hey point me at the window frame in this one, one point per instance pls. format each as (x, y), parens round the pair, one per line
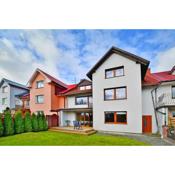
(114, 72)
(4, 87)
(36, 101)
(37, 84)
(81, 97)
(115, 117)
(173, 97)
(114, 96)
(5, 101)
(85, 87)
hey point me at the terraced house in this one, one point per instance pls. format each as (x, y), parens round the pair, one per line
(122, 95)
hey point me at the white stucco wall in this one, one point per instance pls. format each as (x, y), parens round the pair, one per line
(4, 95)
(67, 116)
(133, 103)
(148, 107)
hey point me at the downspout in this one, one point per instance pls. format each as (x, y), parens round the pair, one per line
(155, 105)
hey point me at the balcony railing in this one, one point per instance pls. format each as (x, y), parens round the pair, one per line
(165, 100)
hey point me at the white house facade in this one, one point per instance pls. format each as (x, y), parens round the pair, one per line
(8, 92)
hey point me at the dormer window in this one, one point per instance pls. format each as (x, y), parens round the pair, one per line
(88, 87)
(39, 84)
(114, 72)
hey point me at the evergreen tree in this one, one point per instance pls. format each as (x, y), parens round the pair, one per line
(40, 122)
(45, 125)
(34, 123)
(18, 123)
(27, 122)
(1, 126)
(8, 124)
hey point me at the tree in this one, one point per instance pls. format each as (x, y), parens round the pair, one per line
(34, 123)
(27, 122)
(40, 122)
(18, 123)
(1, 126)
(8, 124)
(45, 126)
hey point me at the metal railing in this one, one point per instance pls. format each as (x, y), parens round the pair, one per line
(165, 100)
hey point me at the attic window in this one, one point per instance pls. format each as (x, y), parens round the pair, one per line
(85, 87)
(40, 84)
(4, 89)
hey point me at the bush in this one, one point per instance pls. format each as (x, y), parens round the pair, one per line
(18, 123)
(45, 126)
(8, 124)
(34, 123)
(27, 122)
(40, 122)
(1, 126)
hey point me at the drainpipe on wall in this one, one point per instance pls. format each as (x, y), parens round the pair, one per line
(155, 89)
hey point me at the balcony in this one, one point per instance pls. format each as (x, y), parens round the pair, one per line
(165, 100)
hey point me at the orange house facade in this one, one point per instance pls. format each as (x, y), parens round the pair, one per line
(44, 90)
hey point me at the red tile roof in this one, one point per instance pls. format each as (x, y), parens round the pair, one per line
(158, 77)
(69, 87)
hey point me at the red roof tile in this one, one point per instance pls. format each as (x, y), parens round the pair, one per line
(69, 87)
(158, 77)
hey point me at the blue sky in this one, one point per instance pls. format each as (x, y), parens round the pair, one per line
(69, 54)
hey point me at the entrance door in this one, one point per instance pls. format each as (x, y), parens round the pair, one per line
(147, 124)
(54, 120)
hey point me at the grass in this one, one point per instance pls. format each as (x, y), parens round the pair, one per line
(51, 138)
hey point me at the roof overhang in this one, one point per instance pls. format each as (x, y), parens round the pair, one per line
(144, 63)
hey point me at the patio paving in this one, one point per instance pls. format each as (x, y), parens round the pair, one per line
(153, 140)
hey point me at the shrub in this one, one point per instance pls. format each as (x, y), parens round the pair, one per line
(27, 122)
(8, 124)
(1, 126)
(18, 123)
(45, 126)
(34, 123)
(40, 122)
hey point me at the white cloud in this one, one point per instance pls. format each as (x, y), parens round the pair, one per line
(165, 60)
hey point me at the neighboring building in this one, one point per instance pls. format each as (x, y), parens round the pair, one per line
(25, 99)
(8, 91)
(78, 104)
(44, 91)
(158, 98)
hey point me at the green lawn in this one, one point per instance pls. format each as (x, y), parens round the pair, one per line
(63, 139)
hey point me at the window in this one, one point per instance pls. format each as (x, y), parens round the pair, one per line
(39, 112)
(40, 84)
(85, 87)
(173, 114)
(109, 73)
(121, 93)
(88, 87)
(4, 89)
(114, 72)
(4, 101)
(121, 117)
(81, 100)
(109, 94)
(40, 99)
(115, 93)
(82, 88)
(173, 91)
(109, 117)
(116, 117)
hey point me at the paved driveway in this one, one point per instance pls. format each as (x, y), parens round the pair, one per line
(150, 139)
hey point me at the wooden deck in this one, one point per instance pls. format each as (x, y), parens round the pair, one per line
(83, 131)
